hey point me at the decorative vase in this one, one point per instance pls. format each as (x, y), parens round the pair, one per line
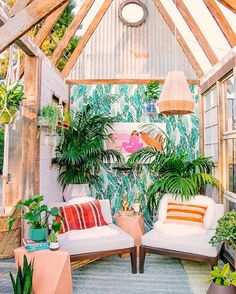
(8, 116)
(76, 190)
(136, 206)
(38, 235)
(54, 246)
(218, 289)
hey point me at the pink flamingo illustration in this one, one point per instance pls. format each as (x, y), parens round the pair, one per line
(133, 144)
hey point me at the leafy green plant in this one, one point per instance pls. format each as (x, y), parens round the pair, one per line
(153, 91)
(22, 284)
(50, 115)
(81, 152)
(174, 173)
(52, 238)
(222, 276)
(37, 214)
(226, 230)
(11, 96)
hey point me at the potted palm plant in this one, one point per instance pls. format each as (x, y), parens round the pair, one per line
(174, 173)
(24, 278)
(222, 281)
(10, 100)
(226, 231)
(82, 153)
(36, 216)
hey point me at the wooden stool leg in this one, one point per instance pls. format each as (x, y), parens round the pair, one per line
(133, 257)
(142, 254)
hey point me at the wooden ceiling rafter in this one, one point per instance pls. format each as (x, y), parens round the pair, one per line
(230, 4)
(222, 22)
(192, 24)
(48, 25)
(179, 38)
(71, 30)
(23, 21)
(18, 6)
(84, 40)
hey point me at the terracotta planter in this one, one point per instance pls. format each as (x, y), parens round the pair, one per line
(218, 289)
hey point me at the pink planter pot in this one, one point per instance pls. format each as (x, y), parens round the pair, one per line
(218, 289)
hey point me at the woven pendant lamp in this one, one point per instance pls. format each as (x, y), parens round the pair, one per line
(176, 97)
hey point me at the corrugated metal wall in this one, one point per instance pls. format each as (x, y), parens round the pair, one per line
(116, 51)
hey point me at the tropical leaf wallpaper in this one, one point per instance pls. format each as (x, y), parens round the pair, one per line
(126, 102)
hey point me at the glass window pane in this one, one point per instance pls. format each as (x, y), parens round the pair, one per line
(231, 165)
(214, 97)
(208, 101)
(230, 104)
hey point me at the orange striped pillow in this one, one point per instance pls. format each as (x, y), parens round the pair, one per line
(182, 213)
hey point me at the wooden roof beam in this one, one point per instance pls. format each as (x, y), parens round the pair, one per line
(84, 40)
(71, 30)
(179, 38)
(18, 6)
(192, 24)
(24, 20)
(49, 24)
(230, 4)
(222, 22)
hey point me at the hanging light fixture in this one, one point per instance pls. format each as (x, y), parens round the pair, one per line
(176, 97)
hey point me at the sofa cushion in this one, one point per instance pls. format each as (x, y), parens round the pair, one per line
(196, 244)
(95, 239)
(81, 216)
(178, 229)
(198, 199)
(185, 213)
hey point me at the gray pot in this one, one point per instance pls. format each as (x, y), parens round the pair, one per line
(218, 289)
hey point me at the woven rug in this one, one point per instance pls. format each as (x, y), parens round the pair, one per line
(113, 275)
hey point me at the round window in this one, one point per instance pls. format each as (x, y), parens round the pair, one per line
(132, 13)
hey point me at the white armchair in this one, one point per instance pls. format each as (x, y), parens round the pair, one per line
(181, 240)
(98, 241)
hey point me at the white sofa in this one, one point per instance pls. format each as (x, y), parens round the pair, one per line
(97, 241)
(183, 241)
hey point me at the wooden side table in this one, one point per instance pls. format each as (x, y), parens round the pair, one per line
(134, 226)
(52, 271)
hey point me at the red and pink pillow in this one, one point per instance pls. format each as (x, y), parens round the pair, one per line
(81, 216)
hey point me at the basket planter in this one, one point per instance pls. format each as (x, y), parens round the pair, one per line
(8, 116)
(9, 241)
(38, 235)
(218, 289)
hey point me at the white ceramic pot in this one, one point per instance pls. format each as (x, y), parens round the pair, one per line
(136, 207)
(54, 246)
(76, 191)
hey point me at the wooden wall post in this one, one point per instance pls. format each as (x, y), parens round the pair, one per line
(23, 162)
(30, 138)
(220, 99)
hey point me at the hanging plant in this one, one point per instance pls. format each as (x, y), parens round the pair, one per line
(10, 100)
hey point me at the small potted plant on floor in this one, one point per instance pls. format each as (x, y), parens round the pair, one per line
(226, 231)
(10, 100)
(36, 216)
(23, 281)
(222, 281)
(53, 240)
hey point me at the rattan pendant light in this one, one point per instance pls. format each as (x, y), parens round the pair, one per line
(176, 97)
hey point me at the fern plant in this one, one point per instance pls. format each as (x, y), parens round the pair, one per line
(22, 284)
(174, 173)
(81, 152)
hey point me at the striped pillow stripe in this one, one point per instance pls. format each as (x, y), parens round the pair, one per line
(81, 216)
(190, 214)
